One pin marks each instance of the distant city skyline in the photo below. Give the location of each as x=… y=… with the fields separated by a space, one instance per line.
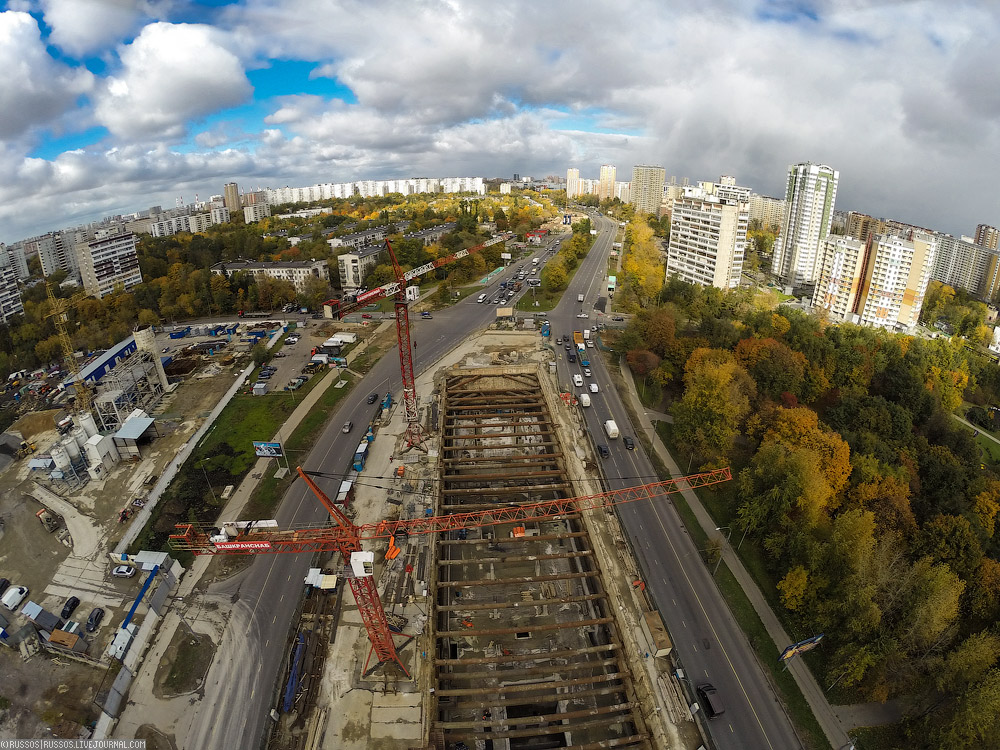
x=122 y=105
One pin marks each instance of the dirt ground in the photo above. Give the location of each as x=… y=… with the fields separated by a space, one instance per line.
x=184 y=664
x=46 y=695
x=41 y=704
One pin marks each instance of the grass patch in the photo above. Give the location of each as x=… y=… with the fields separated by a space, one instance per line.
x=192 y=656
x=889 y=737
x=990 y=450
x=270 y=490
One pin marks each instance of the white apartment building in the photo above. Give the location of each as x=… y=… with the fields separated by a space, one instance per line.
x=296 y=271
x=375 y=188
x=256 y=212
x=505 y=188
x=962 y=264
x=219 y=215
x=647 y=188
x=109 y=261
x=13 y=256
x=572 y=183
x=361 y=239
x=768 y=211
x=623 y=191
x=10 y=295
x=880 y=283
x=356 y=264
x=810 y=194
x=707 y=239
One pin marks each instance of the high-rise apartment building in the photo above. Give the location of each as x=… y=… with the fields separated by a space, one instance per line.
x=55 y=251
x=647 y=188
x=707 y=239
x=987 y=236
x=256 y=212
x=10 y=295
x=13 y=256
x=863 y=226
x=879 y=283
x=606 y=182
x=962 y=264
x=810 y=194
x=109 y=261
x=623 y=191
x=572 y=183
x=770 y=212
x=231 y=196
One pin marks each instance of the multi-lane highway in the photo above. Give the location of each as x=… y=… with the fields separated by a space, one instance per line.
x=239 y=689
x=706 y=638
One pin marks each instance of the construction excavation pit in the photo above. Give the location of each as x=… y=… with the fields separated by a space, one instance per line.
x=527 y=651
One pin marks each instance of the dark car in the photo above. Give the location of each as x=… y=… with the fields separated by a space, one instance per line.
x=709 y=699
x=94 y=621
x=71 y=604
x=373 y=398
x=4 y=584
x=619 y=318
x=603 y=450
x=572 y=357
x=629 y=443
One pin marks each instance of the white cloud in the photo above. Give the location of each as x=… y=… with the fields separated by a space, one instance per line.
x=34 y=88
x=83 y=26
x=171 y=74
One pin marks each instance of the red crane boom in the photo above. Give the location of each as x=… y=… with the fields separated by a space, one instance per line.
x=346 y=537
x=397 y=289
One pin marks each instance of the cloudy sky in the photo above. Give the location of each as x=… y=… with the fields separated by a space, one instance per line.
x=110 y=106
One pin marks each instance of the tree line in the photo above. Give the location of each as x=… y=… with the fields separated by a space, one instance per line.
x=869 y=505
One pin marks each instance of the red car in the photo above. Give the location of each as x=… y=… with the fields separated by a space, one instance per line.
x=366 y=316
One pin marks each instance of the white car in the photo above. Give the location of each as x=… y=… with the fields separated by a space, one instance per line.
x=586 y=372
x=593 y=387
x=578 y=380
x=583 y=315
x=590 y=344
x=123 y=571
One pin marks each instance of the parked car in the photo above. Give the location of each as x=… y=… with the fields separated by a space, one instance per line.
x=4 y=583
x=366 y=316
x=70 y=607
x=373 y=398
x=94 y=621
x=123 y=571
x=348 y=426
x=629 y=443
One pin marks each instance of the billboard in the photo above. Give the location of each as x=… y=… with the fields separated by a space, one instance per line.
x=801 y=647
x=505 y=256
x=267 y=450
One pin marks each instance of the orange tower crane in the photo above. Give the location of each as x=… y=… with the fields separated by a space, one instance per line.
x=343 y=536
x=397 y=289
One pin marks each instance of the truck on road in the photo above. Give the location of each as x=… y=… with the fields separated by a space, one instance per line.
x=579 y=298
x=611 y=428
x=584 y=399
x=578 y=340
x=48 y=519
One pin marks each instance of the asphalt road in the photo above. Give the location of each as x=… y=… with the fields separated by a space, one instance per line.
x=707 y=640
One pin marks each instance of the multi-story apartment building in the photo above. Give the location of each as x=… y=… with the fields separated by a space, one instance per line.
x=108 y=261
x=256 y=212
x=296 y=271
x=810 y=194
x=430 y=235
x=13 y=256
x=361 y=239
x=862 y=226
x=10 y=294
x=623 y=191
x=55 y=251
x=879 y=283
x=770 y=212
x=987 y=236
x=962 y=264
x=707 y=239
x=572 y=183
x=231 y=196
x=374 y=188
x=505 y=188
x=647 y=188
x=355 y=265
x=606 y=182
x=219 y=215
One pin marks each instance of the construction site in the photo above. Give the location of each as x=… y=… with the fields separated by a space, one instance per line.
x=525 y=633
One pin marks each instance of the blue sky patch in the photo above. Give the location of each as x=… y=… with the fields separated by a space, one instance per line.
x=53 y=145
x=285 y=77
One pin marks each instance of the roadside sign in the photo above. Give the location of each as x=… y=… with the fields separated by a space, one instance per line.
x=267 y=450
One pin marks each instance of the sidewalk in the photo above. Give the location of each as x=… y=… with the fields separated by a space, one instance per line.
x=825 y=714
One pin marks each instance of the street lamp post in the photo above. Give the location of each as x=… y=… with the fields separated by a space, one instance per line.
x=201 y=464
x=729 y=533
